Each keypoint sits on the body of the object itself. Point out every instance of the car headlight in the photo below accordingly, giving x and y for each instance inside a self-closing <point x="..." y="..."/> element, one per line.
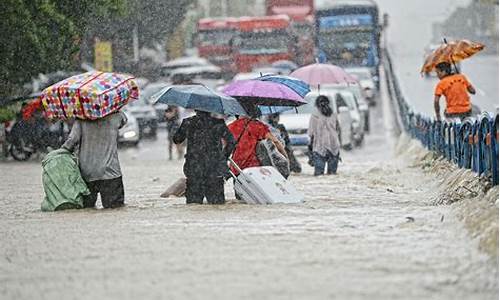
<point x="129" y="134"/>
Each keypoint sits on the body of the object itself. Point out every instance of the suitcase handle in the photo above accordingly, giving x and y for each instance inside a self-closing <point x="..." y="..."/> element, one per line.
<point x="233" y="163"/>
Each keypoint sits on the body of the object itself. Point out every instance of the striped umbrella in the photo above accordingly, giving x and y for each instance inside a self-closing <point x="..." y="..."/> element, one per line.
<point x="297" y="85"/>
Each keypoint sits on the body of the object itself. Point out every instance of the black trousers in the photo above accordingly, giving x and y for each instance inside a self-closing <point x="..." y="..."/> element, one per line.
<point x="211" y="188"/>
<point x="111" y="190"/>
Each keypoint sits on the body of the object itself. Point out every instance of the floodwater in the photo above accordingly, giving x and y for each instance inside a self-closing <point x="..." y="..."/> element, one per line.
<point x="371" y="232"/>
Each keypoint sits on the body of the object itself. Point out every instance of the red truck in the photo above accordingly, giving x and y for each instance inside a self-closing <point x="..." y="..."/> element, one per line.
<point x="214" y="41"/>
<point x="301" y="13"/>
<point x="262" y="41"/>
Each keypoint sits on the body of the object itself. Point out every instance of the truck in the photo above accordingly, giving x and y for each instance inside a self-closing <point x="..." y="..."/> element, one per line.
<point x="301" y="13"/>
<point x="214" y="36"/>
<point x="348" y="34"/>
<point x="262" y="41"/>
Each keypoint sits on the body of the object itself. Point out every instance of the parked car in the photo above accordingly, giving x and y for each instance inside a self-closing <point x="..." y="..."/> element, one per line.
<point x="358" y="121"/>
<point x="210" y="76"/>
<point x="362" y="104"/>
<point x="366" y="81"/>
<point x="297" y="122"/>
<point x="145" y="114"/>
<point x="148" y="91"/>
<point x="183" y="62"/>
<point x="129" y="134"/>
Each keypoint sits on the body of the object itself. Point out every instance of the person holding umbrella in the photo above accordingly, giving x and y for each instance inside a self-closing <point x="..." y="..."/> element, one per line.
<point x="455" y="88"/>
<point x="209" y="141"/>
<point x="209" y="145"/>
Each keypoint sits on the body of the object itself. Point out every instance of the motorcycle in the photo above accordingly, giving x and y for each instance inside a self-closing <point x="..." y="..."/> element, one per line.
<point x="27" y="137"/>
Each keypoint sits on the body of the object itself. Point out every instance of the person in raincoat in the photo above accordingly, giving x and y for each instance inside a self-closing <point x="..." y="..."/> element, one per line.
<point x="95" y="141"/>
<point x="324" y="137"/>
<point x="209" y="145"/>
<point x="455" y="88"/>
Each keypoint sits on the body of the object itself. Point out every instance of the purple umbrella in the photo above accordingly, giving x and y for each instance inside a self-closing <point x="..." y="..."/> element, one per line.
<point x="263" y="93"/>
<point x="317" y="74"/>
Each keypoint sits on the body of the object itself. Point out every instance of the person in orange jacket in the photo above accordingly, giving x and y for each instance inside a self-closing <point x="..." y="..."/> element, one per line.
<point x="455" y="88"/>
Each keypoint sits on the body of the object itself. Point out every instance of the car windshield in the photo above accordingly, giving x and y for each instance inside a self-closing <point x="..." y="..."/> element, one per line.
<point x="349" y="99"/>
<point x="220" y="37"/>
<point x="264" y="42"/>
<point x="347" y="48"/>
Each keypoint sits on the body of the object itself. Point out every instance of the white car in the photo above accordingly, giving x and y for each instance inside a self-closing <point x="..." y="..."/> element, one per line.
<point x="361" y="101"/>
<point x="297" y="122"/>
<point x="365" y="79"/>
<point x="210" y="75"/>
<point x="183" y="62"/>
<point x="129" y="134"/>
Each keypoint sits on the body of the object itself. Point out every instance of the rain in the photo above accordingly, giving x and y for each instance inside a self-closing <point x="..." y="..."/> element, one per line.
<point x="258" y="149"/>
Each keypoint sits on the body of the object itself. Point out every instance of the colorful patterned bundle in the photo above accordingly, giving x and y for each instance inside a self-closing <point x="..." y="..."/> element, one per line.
<point x="90" y="96"/>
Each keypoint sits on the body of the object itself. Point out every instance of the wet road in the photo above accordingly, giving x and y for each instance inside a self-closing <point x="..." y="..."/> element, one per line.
<point x="370" y="232"/>
<point x="410" y="30"/>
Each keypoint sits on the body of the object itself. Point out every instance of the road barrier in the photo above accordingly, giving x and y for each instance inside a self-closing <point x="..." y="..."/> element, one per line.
<point x="471" y="143"/>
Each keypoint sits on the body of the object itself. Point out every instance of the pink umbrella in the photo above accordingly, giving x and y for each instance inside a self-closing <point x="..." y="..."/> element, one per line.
<point x="317" y="74"/>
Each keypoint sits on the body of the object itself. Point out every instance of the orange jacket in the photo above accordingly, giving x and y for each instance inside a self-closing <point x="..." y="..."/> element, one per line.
<point x="454" y="88"/>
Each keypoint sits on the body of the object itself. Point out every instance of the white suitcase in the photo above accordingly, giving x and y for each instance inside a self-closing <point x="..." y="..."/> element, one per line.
<point x="264" y="185"/>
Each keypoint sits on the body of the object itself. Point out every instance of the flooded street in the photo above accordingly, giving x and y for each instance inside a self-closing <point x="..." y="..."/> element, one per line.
<point x="370" y="232"/>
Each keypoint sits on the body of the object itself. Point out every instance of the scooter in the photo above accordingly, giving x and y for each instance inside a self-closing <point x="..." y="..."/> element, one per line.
<point x="25" y="138"/>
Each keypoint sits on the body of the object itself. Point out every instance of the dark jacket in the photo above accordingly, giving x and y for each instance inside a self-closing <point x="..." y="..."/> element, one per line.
<point x="205" y="155"/>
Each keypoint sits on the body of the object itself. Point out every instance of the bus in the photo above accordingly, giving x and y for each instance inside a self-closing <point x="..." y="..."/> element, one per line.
<point x="214" y="41"/>
<point x="301" y="13"/>
<point x="262" y="41"/>
<point x="348" y="34"/>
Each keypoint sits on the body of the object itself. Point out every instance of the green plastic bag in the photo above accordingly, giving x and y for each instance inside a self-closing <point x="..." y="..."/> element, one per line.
<point x="62" y="182"/>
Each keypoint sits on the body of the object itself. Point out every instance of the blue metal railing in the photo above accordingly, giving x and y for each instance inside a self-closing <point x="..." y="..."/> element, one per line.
<point x="471" y="143"/>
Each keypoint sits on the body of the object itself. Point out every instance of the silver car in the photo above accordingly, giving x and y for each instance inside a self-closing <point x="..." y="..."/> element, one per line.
<point x="129" y="134"/>
<point x="366" y="81"/>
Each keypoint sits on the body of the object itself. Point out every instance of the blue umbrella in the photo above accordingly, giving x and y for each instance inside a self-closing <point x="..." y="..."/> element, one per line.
<point x="269" y="110"/>
<point x="199" y="97"/>
<point x="297" y="85"/>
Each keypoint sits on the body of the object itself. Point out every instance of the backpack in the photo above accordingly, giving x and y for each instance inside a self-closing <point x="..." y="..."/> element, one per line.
<point x="268" y="155"/>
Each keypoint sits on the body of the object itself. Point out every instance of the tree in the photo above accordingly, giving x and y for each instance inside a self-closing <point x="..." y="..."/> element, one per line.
<point x="42" y="36"/>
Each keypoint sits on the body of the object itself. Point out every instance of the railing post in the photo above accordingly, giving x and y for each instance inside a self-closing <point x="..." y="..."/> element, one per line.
<point x="494" y="150"/>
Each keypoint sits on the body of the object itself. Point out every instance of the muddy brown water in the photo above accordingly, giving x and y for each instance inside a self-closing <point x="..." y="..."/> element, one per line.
<point x="370" y="232"/>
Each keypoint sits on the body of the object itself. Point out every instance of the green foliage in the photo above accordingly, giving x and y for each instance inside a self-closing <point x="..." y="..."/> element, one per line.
<point x="42" y="36"/>
<point x="7" y="114"/>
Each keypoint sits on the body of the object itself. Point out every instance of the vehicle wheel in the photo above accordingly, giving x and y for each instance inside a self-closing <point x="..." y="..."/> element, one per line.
<point x="348" y="147"/>
<point x="19" y="153"/>
<point x="153" y="132"/>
